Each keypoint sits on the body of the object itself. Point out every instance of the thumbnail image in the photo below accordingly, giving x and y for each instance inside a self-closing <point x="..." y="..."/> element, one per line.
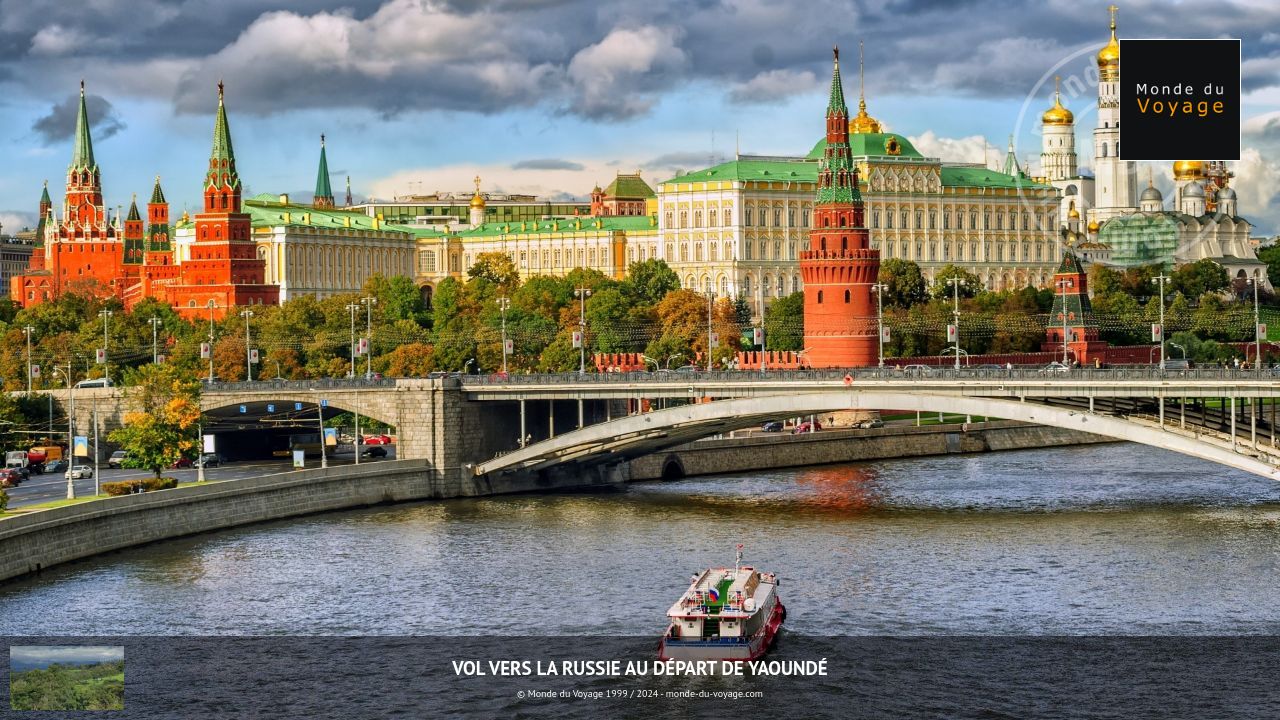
<point x="66" y="677"/>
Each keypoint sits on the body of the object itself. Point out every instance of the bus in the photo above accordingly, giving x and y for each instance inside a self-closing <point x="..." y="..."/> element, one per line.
<point x="309" y="443"/>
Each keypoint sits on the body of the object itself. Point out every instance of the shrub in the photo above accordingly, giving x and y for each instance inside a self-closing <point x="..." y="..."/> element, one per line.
<point x="4" y="500"/>
<point x="129" y="487"/>
<point x="167" y="483"/>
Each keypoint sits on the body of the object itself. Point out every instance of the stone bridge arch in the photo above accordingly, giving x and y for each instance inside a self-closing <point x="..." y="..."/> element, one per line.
<point x="377" y="404"/>
<point x="638" y="435"/>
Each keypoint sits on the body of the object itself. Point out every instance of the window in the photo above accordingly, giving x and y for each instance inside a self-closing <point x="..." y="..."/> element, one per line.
<point x="904" y="219"/>
<point x="777" y="250"/>
<point x="999" y="221"/>
<point x="933" y="219"/>
<point x="791" y="250"/>
<point x="819" y="297"/>
<point x="973" y="220"/>
<point x="1026" y="221"/>
<point x="724" y="286"/>
<point x="728" y="216"/>
<point x="986" y="220"/>
<point x="697" y="252"/>
<point x="791" y="217"/>
<point x="684" y="252"/>
<point x="805" y="215"/>
<point x="667" y="223"/>
<point x="959" y="251"/>
<point x="777" y="217"/>
<point x="764" y="213"/>
<point x="746" y="250"/>
<point x="875" y="219"/>
<point x="746" y="218"/>
<point x="946" y="219"/>
<point x="712" y="252"/>
<point x="711" y="218"/>
<point x="782" y="286"/>
<point x="697" y="218"/>
<point x="973" y="252"/>
<point x="888" y="220"/>
<point x="684" y="218"/>
<point x="919" y="219"/>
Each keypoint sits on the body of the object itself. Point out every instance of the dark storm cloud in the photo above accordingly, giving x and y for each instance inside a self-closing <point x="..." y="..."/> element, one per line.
<point x="547" y="164"/>
<point x="600" y="59"/>
<point x="695" y="158"/>
<point x="60" y="123"/>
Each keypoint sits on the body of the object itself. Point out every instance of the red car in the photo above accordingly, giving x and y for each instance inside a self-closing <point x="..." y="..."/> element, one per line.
<point x="804" y="427"/>
<point x="10" y="477"/>
<point x="182" y="463"/>
<point x="377" y="440"/>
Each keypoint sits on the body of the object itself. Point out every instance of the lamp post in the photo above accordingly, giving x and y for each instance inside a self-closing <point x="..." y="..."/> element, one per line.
<point x="155" y="344"/>
<point x="27" y="331"/>
<point x="880" y="288"/>
<point x="503" y="304"/>
<point x="1161" y="279"/>
<point x="248" y="354"/>
<point x="1180" y="349"/>
<point x="1062" y="286"/>
<point x="368" y="303"/>
<point x="212" y="305"/>
<point x="352" y="308"/>
<point x="582" y="294"/>
<point x="106" y="367"/>
<point x="71" y="429"/>
<point x="956" y="284"/>
<point x="711" y="335"/>
<point x="1257" y="329"/>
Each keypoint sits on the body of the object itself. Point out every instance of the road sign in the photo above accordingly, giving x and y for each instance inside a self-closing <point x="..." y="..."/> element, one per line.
<point x="204" y="351"/>
<point x="208" y="443"/>
<point x="100" y="356"/>
<point x="1157" y="332"/>
<point x="271" y="408"/>
<point x="297" y="406"/>
<point x="331" y="437"/>
<point x="80" y="446"/>
<point x="160" y="359"/>
<point x="299" y="459"/>
<point x="951" y="333"/>
<point x="715" y="340"/>
<point x="243" y="409"/>
<point x="324" y="403"/>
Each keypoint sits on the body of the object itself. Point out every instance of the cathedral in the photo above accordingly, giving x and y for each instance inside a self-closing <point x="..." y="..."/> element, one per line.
<point x="84" y="250"/>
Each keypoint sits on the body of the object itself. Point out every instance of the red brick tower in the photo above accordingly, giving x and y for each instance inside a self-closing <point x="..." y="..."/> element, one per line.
<point x="839" y="267"/>
<point x="46" y="207"/>
<point x="134" y="232"/>
<point x="223" y="266"/>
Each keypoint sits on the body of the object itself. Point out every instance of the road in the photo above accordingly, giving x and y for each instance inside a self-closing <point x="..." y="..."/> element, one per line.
<point x="44" y="488"/>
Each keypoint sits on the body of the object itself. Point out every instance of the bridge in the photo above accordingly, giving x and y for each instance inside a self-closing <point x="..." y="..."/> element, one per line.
<point x="570" y="424"/>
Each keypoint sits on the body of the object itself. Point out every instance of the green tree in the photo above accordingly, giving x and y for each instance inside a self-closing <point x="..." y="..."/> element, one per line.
<point x="161" y="432"/>
<point x="498" y="268"/>
<point x="1200" y="277"/>
<point x="905" y="285"/>
<point x="1104" y="280"/>
<point x="398" y="299"/>
<point x="649" y="281"/>
<point x="1271" y="256"/>
<point x="971" y="286"/>
<point x="784" y="323"/>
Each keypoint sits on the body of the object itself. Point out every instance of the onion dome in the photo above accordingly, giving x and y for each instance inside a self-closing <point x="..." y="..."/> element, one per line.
<point x="1109" y="55"/>
<point x="1074" y="214"/>
<point x="477" y="200"/>
<point x="1152" y="193"/>
<point x="862" y="123"/>
<point x="1193" y="189"/>
<point x="1226" y="193"/>
<point x="1058" y="114"/>
<point x="1093" y="226"/>
<point x="1188" y="169"/>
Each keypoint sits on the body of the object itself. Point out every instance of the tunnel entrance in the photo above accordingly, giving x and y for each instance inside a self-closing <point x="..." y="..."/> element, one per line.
<point x="672" y="468"/>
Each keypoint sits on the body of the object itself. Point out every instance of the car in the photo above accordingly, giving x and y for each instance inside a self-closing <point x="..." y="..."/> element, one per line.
<point x="181" y="463"/>
<point x="212" y="459"/>
<point x="917" y="370"/>
<point x="55" y="466"/>
<point x="990" y="366"/>
<point x="1177" y="364"/>
<point x="772" y="426"/>
<point x="79" y="472"/>
<point x="378" y="439"/>
<point x="688" y="369"/>
<point x="117" y="459"/>
<point x="10" y="477"/>
<point x="804" y="427"/>
<point x="95" y="383"/>
<point x="1055" y="367"/>
<point x="374" y="451"/>
<point x="871" y="423"/>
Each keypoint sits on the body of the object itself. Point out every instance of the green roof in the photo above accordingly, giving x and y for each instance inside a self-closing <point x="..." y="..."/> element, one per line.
<point x="266" y="211"/>
<point x="133" y="210"/>
<point x="157" y="195"/>
<point x="82" y="156"/>
<point x="870" y="145"/>
<point x="758" y="170"/>
<point x="44" y="194"/>
<point x="222" y="149"/>
<point x="586" y="223"/>
<point x="835" y="103"/>
<point x="322" y="176"/>
<point x="629" y="186"/>
<point x="983" y="177"/>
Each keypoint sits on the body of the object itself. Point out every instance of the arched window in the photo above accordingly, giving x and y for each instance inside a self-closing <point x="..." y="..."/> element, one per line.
<point x="746" y="218"/>
<point x="684" y="218"/>
<point x="697" y="218"/>
<point x="875" y="219"/>
<point x="919" y="219"/>
<point x="711" y="218"/>
<point x="847" y="296"/>
<point x="888" y="220"/>
<point x="933" y="219"/>
<point x="904" y="219"/>
<point x="819" y="297"/>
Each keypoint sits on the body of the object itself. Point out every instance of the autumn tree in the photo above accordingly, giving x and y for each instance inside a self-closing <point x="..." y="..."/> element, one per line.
<point x="497" y="268"/>
<point x="161" y="431"/>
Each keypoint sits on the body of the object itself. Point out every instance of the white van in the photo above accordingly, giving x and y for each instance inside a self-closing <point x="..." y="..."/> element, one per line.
<point x="95" y="383"/>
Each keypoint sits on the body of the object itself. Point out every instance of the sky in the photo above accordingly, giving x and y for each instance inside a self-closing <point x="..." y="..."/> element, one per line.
<point x="550" y="97"/>
<point x="27" y="657"/>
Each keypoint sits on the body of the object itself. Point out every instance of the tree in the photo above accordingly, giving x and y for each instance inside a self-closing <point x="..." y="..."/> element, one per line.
<point x="905" y="284"/>
<point x="160" y="433"/>
<point x="498" y="268"/>
<point x="784" y="323"/>
<point x="970" y="287"/>
<point x="1200" y="277"/>
<point x="398" y="299"/>
<point x="1105" y="280"/>
<point x="1271" y="256"/>
<point x="649" y="281"/>
<point x="409" y="360"/>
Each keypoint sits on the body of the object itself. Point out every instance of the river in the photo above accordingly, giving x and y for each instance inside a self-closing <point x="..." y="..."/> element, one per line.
<point x="1096" y="540"/>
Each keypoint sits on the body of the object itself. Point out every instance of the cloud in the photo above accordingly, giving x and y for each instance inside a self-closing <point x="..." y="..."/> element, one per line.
<point x="1257" y="184"/>
<point x="547" y="164"/>
<point x="686" y="159"/>
<point x="1266" y="125"/>
<point x="11" y="221"/>
<point x="60" y="123"/>
<point x="773" y="86"/>
<point x="31" y="656"/>
<point x="958" y="150"/>
<point x="611" y="77"/>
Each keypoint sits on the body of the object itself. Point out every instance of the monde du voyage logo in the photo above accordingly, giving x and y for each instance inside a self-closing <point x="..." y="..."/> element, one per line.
<point x="1180" y="99"/>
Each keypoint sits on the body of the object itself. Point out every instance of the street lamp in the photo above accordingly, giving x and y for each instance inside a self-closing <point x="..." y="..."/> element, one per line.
<point x="27" y="331"/>
<point x="1257" y="328"/>
<point x="1063" y="285"/>
<point x="213" y="304"/>
<point x="582" y="294"/>
<point x="1182" y="349"/>
<point x="503" y="304"/>
<point x="248" y="354"/>
<point x="1161" y="279"/>
<point x="155" y="345"/>
<point x="368" y="303"/>
<point x="711" y="335"/>
<point x="956" y="283"/>
<point x="352" y="308"/>
<point x="880" y="288"/>
<point x="467" y="365"/>
<point x="673" y="357"/>
<point x="71" y="429"/>
<point x="106" y="368"/>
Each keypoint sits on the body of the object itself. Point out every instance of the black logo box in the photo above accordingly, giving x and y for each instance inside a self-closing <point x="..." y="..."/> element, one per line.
<point x="1151" y="66"/>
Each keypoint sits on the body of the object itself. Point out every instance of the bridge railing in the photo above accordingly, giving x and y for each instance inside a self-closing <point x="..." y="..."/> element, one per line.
<point x="855" y="375"/>
<point x="300" y="385"/>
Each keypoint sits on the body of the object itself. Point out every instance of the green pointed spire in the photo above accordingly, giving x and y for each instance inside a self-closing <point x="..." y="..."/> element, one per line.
<point x="1011" y="161"/>
<point x="157" y="195"/>
<point x="222" y="149"/>
<point x="82" y="157"/>
<point x="133" y="209"/>
<point x="836" y="102"/>
<point x="324" y="193"/>
<point x="44" y="195"/>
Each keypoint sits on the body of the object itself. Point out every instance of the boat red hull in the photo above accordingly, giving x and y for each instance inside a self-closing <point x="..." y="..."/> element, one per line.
<point x="754" y="649"/>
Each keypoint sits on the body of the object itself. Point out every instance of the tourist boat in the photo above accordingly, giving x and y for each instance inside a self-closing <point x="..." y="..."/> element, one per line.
<point x="728" y="613"/>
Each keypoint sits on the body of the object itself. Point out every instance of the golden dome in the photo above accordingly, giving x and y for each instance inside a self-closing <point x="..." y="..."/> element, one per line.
<point x="1074" y="214"/>
<point x="1058" y="114"/>
<point x="1188" y="169"/>
<point x="1093" y="226"/>
<point x="1109" y="56"/>
<point x="477" y="200"/>
<point x="862" y="123"/>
